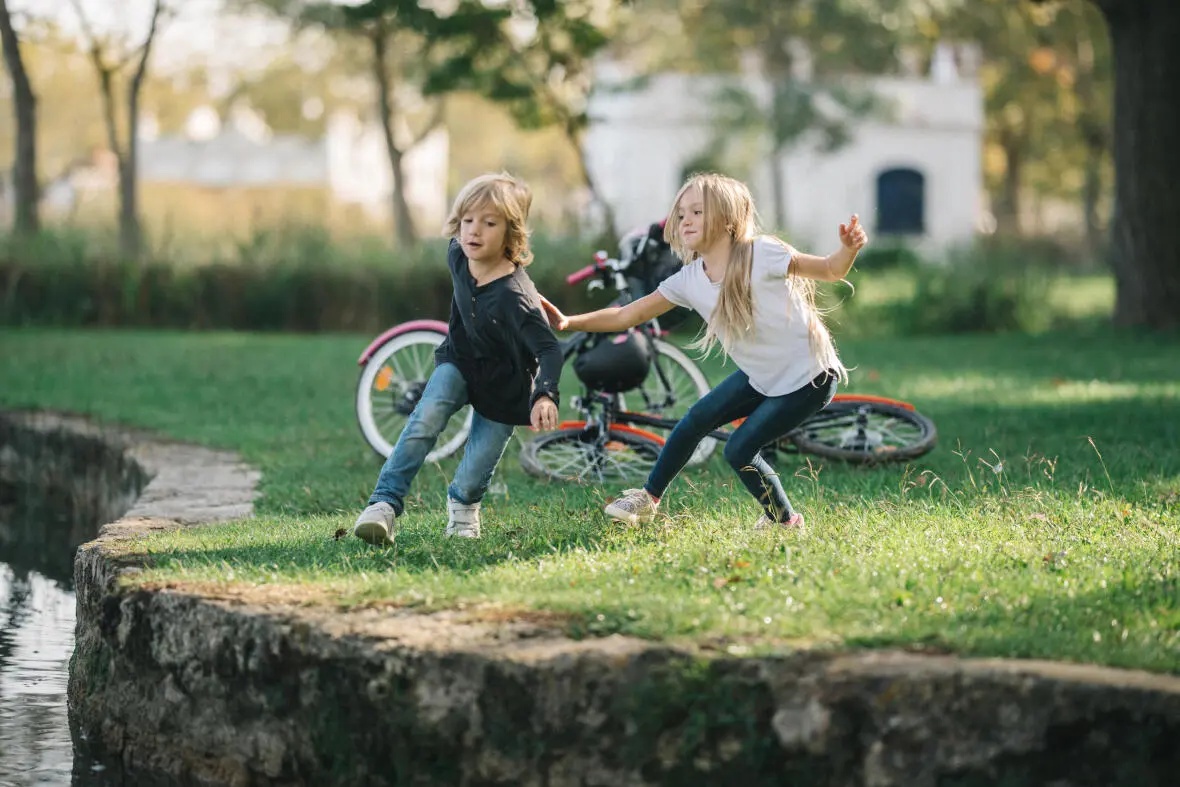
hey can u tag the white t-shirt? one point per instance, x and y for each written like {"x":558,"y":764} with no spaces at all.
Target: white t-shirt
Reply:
{"x":776,"y":355}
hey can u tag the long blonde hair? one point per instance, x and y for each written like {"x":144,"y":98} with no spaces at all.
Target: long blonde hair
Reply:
{"x":507,"y":195}
{"x":729,"y":210}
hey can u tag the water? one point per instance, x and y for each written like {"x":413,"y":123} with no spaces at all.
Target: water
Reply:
{"x":36,"y":640}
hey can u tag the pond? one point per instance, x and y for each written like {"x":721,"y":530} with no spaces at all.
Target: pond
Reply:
{"x":43,"y":519}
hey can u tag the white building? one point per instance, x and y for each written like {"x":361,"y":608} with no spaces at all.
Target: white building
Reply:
{"x":914,"y":172}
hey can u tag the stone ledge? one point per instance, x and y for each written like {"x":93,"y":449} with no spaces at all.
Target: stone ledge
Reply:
{"x":225,"y":690}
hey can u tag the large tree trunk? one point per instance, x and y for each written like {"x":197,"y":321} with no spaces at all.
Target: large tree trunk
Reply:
{"x":403,"y":219}
{"x":24,"y":175}
{"x":1145,"y":233}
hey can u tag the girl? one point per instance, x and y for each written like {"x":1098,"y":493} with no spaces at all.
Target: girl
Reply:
{"x":497,"y":335}
{"x":758,"y":301}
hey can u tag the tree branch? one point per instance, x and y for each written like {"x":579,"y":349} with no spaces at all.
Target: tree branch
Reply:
{"x":435,"y":121}
{"x":146,"y":50}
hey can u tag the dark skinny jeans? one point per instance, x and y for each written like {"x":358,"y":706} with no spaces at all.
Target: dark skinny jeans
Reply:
{"x":767,"y":419}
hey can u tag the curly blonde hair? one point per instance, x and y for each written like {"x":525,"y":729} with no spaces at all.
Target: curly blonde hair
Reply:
{"x":509,"y":196}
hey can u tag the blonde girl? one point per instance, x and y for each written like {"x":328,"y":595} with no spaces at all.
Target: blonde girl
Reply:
{"x":756,"y":295}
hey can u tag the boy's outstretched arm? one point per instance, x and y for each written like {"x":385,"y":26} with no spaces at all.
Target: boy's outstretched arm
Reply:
{"x":612,"y":318}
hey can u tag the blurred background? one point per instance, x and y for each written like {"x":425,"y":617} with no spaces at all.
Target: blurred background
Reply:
{"x":287,"y":165}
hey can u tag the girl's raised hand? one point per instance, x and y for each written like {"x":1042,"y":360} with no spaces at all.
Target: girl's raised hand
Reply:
{"x":557,"y":320}
{"x":852,"y":235}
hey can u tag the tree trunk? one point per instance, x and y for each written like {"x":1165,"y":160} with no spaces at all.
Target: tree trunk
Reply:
{"x":404,"y":230}
{"x":778,"y":188}
{"x":1092,"y":193}
{"x":1008,"y":207}
{"x":612,"y":231}
{"x":24,"y":175}
{"x":1145,"y":234}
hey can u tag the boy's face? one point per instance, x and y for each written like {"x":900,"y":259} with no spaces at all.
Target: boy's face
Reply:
{"x":482,"y":234}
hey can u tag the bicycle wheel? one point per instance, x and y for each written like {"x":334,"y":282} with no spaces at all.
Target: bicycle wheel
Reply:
{"x":575,"y":453}
{"x":673,"y":385}
{"x":390,"y":385}
{"x":866,"y":432}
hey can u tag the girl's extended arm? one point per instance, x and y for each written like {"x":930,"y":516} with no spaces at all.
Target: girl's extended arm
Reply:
{"x":610,"y":319}
{"x":836,"y":265}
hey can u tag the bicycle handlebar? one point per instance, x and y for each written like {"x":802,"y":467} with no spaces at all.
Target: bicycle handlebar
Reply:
{"x":600,"y":262}
{"x":583,"y":274}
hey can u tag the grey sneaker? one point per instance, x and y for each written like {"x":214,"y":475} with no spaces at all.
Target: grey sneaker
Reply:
{"x":794,"y":523}
{"x":634,"y":506}
{"x":375,"y":524}
{"x":462,"y":519}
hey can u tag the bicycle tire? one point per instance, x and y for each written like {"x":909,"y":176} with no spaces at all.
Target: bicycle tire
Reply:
{"x":675,"y":355}
{"x":842,"y":431}
{"x":382,"y":440}
{"x":540,"y":459}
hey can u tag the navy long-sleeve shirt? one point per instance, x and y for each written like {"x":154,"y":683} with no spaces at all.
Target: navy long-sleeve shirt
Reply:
{"x":500,"y":341}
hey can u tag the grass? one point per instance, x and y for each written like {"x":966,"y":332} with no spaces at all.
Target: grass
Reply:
{"x":1045,"y":525}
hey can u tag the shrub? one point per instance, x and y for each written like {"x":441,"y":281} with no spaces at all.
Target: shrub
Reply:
{"x":284,"y":280}
{"x":984,"y":290}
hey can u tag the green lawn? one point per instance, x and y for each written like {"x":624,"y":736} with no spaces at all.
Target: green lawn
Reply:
{"x":1044,"y":525}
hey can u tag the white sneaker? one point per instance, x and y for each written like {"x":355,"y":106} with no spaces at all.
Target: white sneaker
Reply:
{"x":794,"y":523}
{"x":634,"y":506}
{"x":462,"y":519}
{"x":375,"y":524}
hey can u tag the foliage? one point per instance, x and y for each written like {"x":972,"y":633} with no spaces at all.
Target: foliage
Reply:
{"x":294,"y":280}
{"x":1044,"y":526}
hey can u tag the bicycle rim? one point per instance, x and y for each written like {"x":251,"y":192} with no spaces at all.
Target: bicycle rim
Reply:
{"x":866,"y":432}
{"x":579,"y":455}
{"x":387,"y":390}
{"x":685,"y":385}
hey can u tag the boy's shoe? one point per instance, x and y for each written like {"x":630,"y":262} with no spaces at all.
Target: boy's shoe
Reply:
{"x":794,"y":523}
{"x":634,"y":506}
{"x":462,"y":519}
{"x":375,"y":524}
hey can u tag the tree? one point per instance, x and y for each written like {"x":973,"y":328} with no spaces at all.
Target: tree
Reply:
{"x":1144,"y":231}
{"x":847,"y":37}
{"x":110,"y":59}
{"x":24,"y":176}
{"x":402,"y":38}
{"x":537,"y":61}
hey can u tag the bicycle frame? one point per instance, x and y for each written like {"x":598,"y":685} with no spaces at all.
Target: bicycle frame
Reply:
{"x":626,"y":420}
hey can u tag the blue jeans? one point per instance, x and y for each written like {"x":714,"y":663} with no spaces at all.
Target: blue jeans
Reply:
{"x":767,"y":419}
{"x":445,"y":395}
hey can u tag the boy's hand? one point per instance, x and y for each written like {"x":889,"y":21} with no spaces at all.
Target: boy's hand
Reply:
{"x":557,"y":320}
{"x":544,"y":415}
{"x":852,"y":235}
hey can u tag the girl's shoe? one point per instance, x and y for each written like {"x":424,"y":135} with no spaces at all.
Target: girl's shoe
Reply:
{"x":375,"y":524}
{"x":794,"y":523}
{"x":634,"y":506}
{"x":462,"y":519}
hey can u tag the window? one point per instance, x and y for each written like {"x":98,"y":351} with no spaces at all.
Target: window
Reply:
{"x":901,"y":201}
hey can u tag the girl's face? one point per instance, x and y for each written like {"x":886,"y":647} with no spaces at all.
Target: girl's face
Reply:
{"x":483,"y":233}
{"x":691,"y":215}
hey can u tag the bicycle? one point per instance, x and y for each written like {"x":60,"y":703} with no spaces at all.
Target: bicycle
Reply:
{"x":613,"y":444}
{"x":628,"y":367}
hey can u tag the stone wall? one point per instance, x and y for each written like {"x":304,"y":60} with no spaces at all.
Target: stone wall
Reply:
{"x":236,"y":685}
